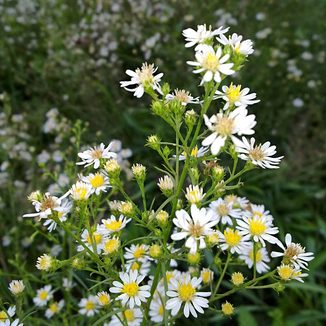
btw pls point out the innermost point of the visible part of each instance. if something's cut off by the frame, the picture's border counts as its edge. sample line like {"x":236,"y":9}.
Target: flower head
{"x":194,"y":194}
{"x":238,"y":46}
{"x":54,"y":308}
{"x":224,"y":211}
{"x":88,"y":306}
{"x":43,"y":296}
{"x":44,"y":262}
{"x":262,"y":258}
{"x":16,"y":287}
{"x":195,"y":227}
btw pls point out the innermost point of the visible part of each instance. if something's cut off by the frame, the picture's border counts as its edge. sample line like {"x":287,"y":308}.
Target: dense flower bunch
{"x":165,"y":273}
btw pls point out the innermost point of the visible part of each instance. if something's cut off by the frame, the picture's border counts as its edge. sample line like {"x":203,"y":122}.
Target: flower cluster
{"x":157,"y":255}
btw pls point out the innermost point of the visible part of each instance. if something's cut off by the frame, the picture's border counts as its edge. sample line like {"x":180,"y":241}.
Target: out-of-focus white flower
{"x":54,"y":308}
{"x":16,"y":287}
{"x":223,"y":211}
{"x":43,"y":296}
{"x":183,"y":96}
{"x":235,"y":41}
{"x":261,"y":258}
{"x":88,"y":306}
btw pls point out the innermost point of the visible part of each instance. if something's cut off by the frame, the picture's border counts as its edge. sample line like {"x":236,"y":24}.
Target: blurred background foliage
{"x":71,"y":55}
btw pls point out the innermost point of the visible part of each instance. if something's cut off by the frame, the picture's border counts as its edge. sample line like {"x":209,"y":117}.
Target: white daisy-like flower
{"x":113,"y":225}
{"x":201,"y":35}
{"x":224,"y":126}
{"x":94,"y":242}
{"x":111,"y":245}
{"x":258,"y":211}
{"x":134,"y":317}
{"x":99,"y":182}
{"x":293,"y":253}
{"x":142,"y":78}
{"x":194,"y":194}
{"x":223,"y":211}
{"x":184,"y":291}
{"x":195,"y":227}
{"x":195,"y":152}
{"x":238,"y":46}
{"x":54,"y":308}
{"x":288,"y":272}
{"x":236,"y":201}
{"x":44,"y":262}
{"x":233,"y":95}
{"x":16,"y":287}
{"x":261,"y":258}
{"x":165,"y":183}
{"x":131,"y":292}
{"x":211,"y":63}
{"x":260,"y":155}
{"x":89,"y":306}
{"x":232,"y":240}
{"x":183,"y":96}
{"x":43,"y":296}
{"x":258,"y":228}
{"x":62,"y":211}
{"x":136,"y":252}
{"x":44,"y":206}
{"x":103,"y":298}
{"x":156,"y":311}
{"x":80,"y":191}
{"x":94,"y":155}
{"x":9,"y":313}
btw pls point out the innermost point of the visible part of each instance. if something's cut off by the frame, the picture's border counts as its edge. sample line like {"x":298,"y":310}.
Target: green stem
{"x":222,"y":274}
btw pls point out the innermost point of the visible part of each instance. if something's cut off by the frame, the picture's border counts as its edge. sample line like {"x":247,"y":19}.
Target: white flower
{"x":261,"y":258}
{"x":166,"y":183}
{"x":257,"y":210}
{"x":98,"y":182}
{"x":142,"y":78}
{"x":194,"y":194}
{"x":231,"y":239}
{"x":237,"y":202}
{"x":4,"y":317}
{"x":156,"y":310}
{"x":236,"y":43}
{"x":195,"y":152}
{"x":133,"y":317}
{"x":136,"y":252}
{"x":131,"y":292}
{"x":95,"y":154}
{"x":202,"y":34}
{"x":88,"y":306}
{"x":80,"y":191}
{"x":16,"y":287}
{"x":294,"y":253}
{"x":195,"y":227}
{"x":223,"y":211}
{"x":67,"y":284}
{"x":62,"y":212}
{"x":94,"y":242}
{"x":183,"y":290}
{"x":112,"y":224}
{"x":183,"y":96}
{"x":288,"y":272}
{"x":43,"y":295}
{"x":260,"y":155}
{"x":44,"y":262}
{"x":54,"y":308}
{"x":212,"y":63}
{"x":233,"y":95}
{"x":224,"y":126}
{"x":143,"y":267}
{"x":103,"y":298}
{"x":258,"y":228}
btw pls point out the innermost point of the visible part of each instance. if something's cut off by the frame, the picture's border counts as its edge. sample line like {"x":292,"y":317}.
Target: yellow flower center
{"x":131,"y":289}
{"x":222,"y":210}
{"x":145,"y":74}
{"x":129,"y":314}
{"x":224,"y":126}
{"x":97,"y":180}
{"x":233,"y":93}
{"x":169,"y":275}
{"x":186,"y":291}
{"x":96,"y":153}
{"x":111,"y":245}
{"x":161,"y":310}
{"x":227,"y":308}
{"x":285,"y":272}
{"x":194,"y":151}
{"x":135,"y":266}
{"x":43,"y":295}
{"x":139,"y":252}
{"x":97,"y":238}
{"x":113,"y":225}
{"x":44,"y":262}
{"x":81,"y":193}
{"x":54,"y":307}
{"x":232,"y":237}
{"x":259,"y":256}
{"x":256,"y":154}
{"x":196,"y":230}
{"x":206,"y":276}
{"x":90,"y":305}
{"x":211,"y":62}
{"x":257,"y":226}
{"x":3,"y":316}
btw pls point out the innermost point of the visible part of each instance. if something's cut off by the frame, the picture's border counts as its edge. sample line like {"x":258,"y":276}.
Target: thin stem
{"x":223,"y":273}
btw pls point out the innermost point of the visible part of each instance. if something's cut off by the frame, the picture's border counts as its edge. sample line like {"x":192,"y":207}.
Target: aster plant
{"x":195,"y":213}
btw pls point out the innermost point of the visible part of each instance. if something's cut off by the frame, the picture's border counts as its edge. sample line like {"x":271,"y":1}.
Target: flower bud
{"x":218,"y":173}
{"x":16,"y":287}
{"x":45,"y":263}
{"x":190,"y":118}
{"x":162,"y":217}
{"x":113,"y":168}
{"x":227,"y":308}
{"x":194,"y":194}
{"x":166,"y":185}
{"x":126,"y":208}
{"x":193,"y":258}
{"x":153,"y":142}
{"x":237,"y":278}
{"x":139,"y":172}
{"x":155,"y":251}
